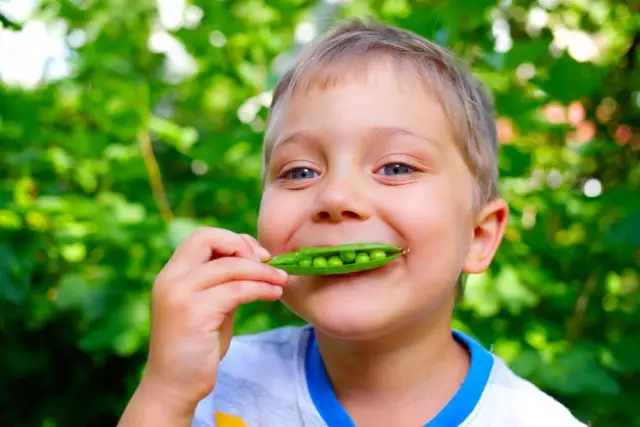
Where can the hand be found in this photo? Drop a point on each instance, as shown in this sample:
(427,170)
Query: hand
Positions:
(193,301)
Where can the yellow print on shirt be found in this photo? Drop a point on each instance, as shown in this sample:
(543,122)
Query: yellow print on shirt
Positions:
(226,420)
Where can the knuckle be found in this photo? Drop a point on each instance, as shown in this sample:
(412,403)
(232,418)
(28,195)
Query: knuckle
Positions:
(169,293)
(243,290)
(201,233)
(226,264)
(217,235)
(249,238)
(246,242)
(178,303)
(238,288)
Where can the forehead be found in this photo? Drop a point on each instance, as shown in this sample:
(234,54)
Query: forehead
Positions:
(377,69)
(326,72)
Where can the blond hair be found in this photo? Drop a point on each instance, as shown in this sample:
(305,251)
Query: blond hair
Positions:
(461,95)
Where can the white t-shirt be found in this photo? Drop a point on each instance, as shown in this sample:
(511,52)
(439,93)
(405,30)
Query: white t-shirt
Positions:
(277,379)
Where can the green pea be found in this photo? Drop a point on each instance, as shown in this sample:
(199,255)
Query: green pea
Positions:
(319,261)
(334,261)
(337,259)
(362,257)
(357,247)
(284,259)
(305,261)
(377,254)
(348,256)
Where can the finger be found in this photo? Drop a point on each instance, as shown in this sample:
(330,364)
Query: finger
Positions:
(257,247)
(223,270)
(204,245)
(226,298)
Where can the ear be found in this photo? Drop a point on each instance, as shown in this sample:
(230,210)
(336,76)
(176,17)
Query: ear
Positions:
(488,231)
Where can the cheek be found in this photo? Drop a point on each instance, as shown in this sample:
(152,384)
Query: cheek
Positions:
(428,212)
(277,220)
(437,255)
(268,230)
(430,230)
(436,227)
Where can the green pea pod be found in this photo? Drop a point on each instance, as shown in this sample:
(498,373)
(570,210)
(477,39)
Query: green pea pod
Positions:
(336,259)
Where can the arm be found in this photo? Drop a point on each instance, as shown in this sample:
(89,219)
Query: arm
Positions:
(193,302)
(149,409)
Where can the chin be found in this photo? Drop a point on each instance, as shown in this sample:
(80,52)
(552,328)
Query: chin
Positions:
(369,306)
(351,308)
(353,323)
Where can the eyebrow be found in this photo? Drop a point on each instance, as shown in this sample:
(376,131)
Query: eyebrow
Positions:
(395,130)
(293,137)
(376,130)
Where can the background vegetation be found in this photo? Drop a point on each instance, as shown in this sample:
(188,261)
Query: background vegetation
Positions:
(150,124)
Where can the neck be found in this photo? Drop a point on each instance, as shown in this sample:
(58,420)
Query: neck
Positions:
(422,360)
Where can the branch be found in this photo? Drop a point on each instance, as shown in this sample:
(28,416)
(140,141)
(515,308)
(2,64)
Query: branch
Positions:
(631,52)
(155,178)
(575,324)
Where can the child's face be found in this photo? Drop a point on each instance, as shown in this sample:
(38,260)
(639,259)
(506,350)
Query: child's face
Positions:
(370,159)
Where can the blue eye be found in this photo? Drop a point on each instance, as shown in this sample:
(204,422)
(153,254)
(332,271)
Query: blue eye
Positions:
(298,173)
(396,169)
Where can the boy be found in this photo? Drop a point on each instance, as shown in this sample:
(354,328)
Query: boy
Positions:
(374,135)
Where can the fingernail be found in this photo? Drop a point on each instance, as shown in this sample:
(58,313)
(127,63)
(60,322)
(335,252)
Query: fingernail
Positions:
(282,272)
(264,254)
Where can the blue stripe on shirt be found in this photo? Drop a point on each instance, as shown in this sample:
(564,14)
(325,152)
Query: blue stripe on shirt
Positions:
(453,414)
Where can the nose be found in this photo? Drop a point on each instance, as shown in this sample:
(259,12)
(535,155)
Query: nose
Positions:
(340,199)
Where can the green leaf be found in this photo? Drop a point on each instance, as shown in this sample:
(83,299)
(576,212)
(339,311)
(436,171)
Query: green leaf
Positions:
(576,371)
(527,363)
(569,80)
(72,291)
(514,161)
(479,296)
(14,282)
(626,231)
(512,292)
(182,138)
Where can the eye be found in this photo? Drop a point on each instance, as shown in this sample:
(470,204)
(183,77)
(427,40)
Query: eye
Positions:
(298,173)
(395,169)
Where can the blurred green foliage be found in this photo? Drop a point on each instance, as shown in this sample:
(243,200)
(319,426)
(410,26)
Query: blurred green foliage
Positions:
(104,171)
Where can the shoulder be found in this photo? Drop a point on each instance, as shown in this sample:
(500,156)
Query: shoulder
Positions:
(517,402)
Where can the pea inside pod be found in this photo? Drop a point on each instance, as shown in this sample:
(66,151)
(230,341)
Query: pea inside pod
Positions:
(337,259)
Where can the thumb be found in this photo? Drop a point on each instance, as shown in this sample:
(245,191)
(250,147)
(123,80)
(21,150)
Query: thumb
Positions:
(226,333)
